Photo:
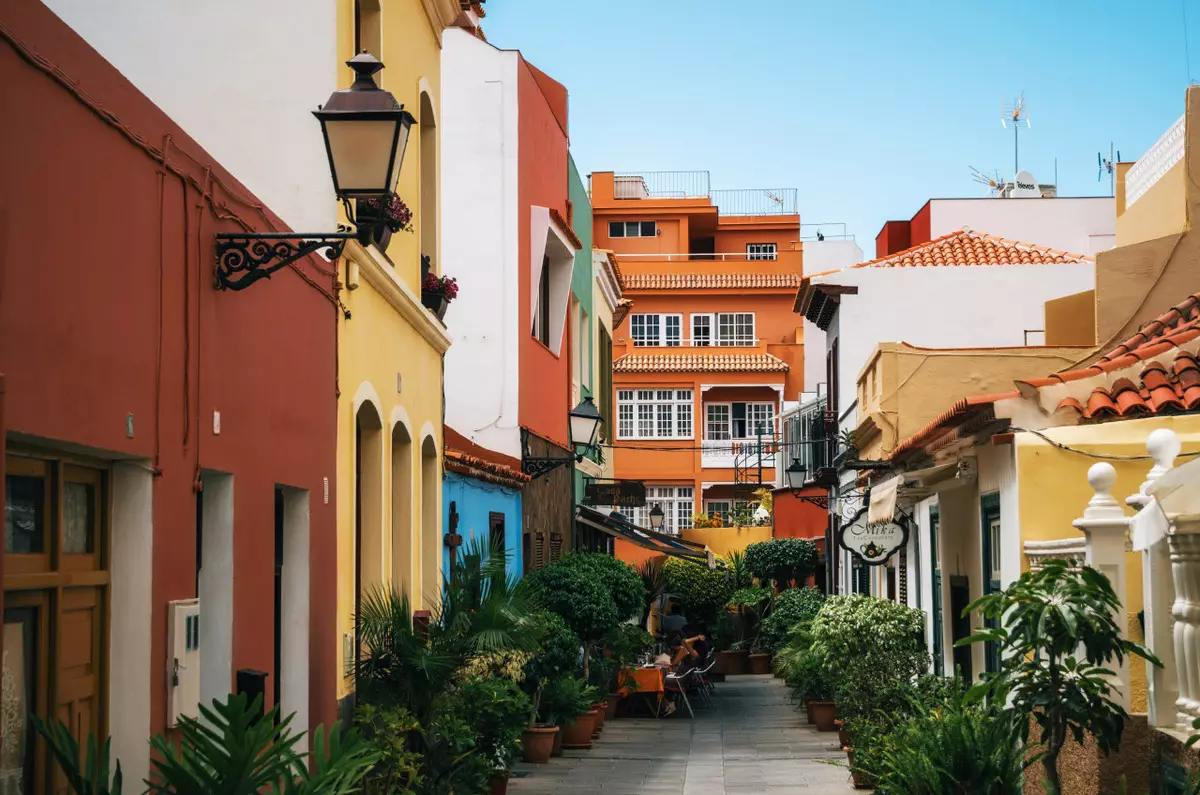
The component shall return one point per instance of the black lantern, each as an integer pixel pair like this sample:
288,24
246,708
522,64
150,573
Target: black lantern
366,134
585,423
656,517
796,474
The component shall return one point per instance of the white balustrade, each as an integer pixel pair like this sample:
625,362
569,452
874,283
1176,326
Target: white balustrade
1184,544
1158,592
1106,528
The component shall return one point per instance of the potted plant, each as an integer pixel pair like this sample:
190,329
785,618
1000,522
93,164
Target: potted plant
437,292
558,648
499,714
624,646
576,698
746,606
782,561
384,218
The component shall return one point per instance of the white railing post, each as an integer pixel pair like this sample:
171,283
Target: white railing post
1158,591
1183,541
1106,527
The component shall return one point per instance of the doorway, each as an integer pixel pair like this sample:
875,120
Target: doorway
960,597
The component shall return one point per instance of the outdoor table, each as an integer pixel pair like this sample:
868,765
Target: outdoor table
644,681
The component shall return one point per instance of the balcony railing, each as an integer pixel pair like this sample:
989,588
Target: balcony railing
1158,160
724,453
660,185
825,230
757,201
808,438
720,256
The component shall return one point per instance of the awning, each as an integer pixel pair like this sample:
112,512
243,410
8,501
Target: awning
883,500
617,526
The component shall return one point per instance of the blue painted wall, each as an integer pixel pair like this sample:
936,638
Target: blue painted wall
475,500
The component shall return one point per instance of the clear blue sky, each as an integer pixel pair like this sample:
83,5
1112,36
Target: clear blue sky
867,107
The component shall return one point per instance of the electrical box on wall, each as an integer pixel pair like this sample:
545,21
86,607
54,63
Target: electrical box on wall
183,661
349,658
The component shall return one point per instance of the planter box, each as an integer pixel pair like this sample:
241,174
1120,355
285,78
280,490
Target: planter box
760,663
435,303
733,663
808,710
579,733
537,744
824,713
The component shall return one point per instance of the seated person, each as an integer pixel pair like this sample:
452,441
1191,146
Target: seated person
674,622
683,652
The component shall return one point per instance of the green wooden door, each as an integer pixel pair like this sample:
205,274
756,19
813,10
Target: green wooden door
939,664
989,511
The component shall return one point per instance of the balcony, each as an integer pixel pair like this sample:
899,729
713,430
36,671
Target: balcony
661,185
739,453
757,201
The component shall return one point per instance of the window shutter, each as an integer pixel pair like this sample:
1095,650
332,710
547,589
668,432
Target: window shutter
539,550
902,576
555,546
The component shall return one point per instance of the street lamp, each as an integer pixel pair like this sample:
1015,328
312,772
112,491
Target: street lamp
366,133
583,426
796,474
656,517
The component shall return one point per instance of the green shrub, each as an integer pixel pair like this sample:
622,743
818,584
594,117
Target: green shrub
620,580
398,771
578,596
791,607
498,711
557,654
702,592
564,699
782,560
809,678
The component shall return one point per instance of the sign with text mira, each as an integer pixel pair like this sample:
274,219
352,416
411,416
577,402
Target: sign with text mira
874,542
617,493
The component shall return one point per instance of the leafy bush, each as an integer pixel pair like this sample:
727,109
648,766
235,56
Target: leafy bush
870,645
557,654
782,560
809,678
791,607
564,699
748,605
578,596
621,581
498,711
701,591
398,770
624,646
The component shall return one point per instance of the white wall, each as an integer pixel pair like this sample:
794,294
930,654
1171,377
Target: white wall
242,77
479,239
216,587
131,617
998,473
946,307
1077,225
294,652
821,256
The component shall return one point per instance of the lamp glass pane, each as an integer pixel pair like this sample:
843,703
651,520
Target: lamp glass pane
361,151
395,176
583,429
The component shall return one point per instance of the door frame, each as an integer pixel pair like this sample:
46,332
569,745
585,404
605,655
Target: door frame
989,513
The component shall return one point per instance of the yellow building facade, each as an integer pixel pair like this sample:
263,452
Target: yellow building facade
390,347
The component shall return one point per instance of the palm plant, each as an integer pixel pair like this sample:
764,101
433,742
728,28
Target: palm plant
94,778
651,572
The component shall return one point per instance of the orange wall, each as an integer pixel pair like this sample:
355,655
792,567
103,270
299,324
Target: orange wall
797,519
774,320
542,168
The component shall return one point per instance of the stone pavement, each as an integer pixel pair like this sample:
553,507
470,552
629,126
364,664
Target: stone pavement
752,740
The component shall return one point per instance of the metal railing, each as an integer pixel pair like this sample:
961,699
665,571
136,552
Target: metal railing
1158,160
825,230
720,256
714,343
757,201
725,453
661,185
808,439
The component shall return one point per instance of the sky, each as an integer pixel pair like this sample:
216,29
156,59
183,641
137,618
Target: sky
868,107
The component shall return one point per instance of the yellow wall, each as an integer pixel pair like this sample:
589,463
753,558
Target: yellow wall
1054,492
390,350
723,540
1071,320
1159,212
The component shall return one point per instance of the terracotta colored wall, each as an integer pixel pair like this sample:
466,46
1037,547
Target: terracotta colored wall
774,320
723,540
893,237
1071,320
919,227
542,163
80,330
671,239
797,519
632,553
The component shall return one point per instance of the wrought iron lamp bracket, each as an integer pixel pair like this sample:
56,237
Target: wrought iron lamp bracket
536,466
243,259
820,501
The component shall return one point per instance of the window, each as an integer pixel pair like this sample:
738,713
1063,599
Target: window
653,330
541,319
735,329
654,414
496,533
585,350
677,503
633,229
760,251
739,420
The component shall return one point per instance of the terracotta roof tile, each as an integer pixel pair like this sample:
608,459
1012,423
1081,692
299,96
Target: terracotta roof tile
700,363
710,281
481,469
968,248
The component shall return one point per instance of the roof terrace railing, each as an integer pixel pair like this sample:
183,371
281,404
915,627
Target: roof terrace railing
825,230
661,185
1158,160
757,201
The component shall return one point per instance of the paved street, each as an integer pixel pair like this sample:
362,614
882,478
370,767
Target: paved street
751,741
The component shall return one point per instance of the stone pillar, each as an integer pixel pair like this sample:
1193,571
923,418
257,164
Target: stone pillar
1158,591
1106,526
1184,544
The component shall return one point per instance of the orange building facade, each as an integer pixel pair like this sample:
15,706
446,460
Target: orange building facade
712,347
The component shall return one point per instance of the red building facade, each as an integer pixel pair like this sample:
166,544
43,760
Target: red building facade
162,437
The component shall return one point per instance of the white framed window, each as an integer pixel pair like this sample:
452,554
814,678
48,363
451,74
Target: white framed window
654,414
761,251
677,502
734,329
719,507
634,229
739,420
656,330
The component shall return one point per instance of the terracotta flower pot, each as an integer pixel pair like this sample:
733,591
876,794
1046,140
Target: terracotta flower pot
579,733
824,713
843,736
537,743
808,713
599,709
861,779
733,663
760,663
558,737
611,704
499,784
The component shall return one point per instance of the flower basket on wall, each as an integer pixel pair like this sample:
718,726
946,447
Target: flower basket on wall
437,292
384,218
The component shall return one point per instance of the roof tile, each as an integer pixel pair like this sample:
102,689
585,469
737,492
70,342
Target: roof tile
968,248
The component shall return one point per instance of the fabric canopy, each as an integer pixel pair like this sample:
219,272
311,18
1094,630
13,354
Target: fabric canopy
617,526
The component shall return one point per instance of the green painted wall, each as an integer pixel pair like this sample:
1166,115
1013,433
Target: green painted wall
582,281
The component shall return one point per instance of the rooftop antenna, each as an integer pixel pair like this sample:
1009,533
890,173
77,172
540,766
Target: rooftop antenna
993,182
775,197
1109,165
1015,114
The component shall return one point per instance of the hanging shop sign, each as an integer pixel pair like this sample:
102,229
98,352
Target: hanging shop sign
874,542
617,493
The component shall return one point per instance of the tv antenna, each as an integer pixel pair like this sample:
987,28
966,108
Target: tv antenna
993,183
1109,165
1016,114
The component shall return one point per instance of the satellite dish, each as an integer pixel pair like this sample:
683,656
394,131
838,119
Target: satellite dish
1025,186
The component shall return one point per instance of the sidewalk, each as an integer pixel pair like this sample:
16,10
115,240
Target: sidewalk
751,741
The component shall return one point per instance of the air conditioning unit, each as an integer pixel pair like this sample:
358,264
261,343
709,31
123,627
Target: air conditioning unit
183,674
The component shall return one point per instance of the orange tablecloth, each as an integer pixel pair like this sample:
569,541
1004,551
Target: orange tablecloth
648,680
